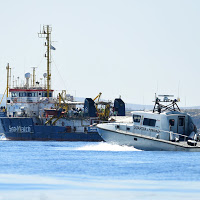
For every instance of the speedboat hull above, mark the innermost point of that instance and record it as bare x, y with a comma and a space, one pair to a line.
143, 142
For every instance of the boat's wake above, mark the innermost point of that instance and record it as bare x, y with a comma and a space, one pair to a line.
102, 146
2, 137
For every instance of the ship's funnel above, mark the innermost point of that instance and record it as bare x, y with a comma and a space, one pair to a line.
27, 76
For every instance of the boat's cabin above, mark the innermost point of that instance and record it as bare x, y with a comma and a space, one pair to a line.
174, 121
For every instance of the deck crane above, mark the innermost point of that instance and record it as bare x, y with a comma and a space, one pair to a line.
96, 104
105, 112
98, 96
62, 108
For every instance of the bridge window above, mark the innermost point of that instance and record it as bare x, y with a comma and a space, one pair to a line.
14, 94
22, 94
44, 94
149, 122
32, 94
171, 122
136, 118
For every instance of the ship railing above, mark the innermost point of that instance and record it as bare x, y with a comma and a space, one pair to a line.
35, 87
154, 133
174, 136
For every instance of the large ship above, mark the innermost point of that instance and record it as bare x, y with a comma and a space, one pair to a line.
34, 112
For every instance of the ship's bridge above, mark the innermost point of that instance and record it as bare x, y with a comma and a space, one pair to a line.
28, 102
31, 95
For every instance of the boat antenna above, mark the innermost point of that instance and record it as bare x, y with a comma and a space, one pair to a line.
172, 104
46, 33
178, 88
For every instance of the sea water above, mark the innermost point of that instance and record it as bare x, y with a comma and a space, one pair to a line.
85, 170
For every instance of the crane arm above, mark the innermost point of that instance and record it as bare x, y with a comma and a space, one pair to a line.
98, 96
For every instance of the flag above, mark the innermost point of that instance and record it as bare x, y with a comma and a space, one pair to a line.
53, 48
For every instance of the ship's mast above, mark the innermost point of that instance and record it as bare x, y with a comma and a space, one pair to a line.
46, 33
8, 79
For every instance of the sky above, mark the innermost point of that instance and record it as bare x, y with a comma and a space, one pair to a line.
129, 48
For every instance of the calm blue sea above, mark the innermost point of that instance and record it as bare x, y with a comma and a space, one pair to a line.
81, 170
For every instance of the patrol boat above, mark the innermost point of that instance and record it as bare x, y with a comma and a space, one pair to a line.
33, 112
165, 128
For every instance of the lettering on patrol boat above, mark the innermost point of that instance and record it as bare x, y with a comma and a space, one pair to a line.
146, 129
20, 129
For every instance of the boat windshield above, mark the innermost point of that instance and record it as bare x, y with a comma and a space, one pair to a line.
136, 118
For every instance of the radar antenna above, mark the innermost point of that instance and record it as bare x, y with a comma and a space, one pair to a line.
172, 106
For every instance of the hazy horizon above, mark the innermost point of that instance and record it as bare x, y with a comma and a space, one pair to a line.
129, 48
